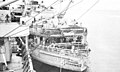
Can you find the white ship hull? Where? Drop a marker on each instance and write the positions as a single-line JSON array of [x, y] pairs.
[[59, 61]]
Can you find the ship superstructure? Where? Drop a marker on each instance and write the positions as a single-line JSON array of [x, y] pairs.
[[58, 43], [65, 48]]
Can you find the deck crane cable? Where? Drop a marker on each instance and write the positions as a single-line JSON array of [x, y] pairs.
[[64, 11], [76, 4], [27, 28], [18, 32], [30, 19], [58, 13], [68, 7], [88, 9], [46, 19], [22, 25], [40, 22], [50, 17], [34, 48], [39, 13]]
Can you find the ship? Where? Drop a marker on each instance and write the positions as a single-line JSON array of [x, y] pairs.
[[58, 43], [65, 47], [15, 19], [11, 29]]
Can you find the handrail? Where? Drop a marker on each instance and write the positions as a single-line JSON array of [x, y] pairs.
[[66, 52]]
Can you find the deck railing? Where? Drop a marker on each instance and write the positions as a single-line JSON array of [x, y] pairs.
[[78, 52]]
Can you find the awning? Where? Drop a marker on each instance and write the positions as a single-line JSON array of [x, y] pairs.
[[13, 30]]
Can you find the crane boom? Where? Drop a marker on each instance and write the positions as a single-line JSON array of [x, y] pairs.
[[61, 14], [7, 2]]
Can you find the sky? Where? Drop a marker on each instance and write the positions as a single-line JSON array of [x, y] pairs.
[[103, 22], [108, 5], [102, 5]]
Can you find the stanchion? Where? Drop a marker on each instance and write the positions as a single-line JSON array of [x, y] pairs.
[[27, 62], [2, 53]]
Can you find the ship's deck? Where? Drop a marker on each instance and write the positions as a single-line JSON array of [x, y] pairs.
[[15, 65]]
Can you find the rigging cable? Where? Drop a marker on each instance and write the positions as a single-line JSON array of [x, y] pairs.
[[81, 15], [18, 32], [44, 20], [88, 9], [29, 19], [64, 11], [41, 22], [76, 4], [42, 11], [38, 45], [27, 28]]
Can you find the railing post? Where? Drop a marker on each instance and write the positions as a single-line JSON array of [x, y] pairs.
[[27, 62]]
